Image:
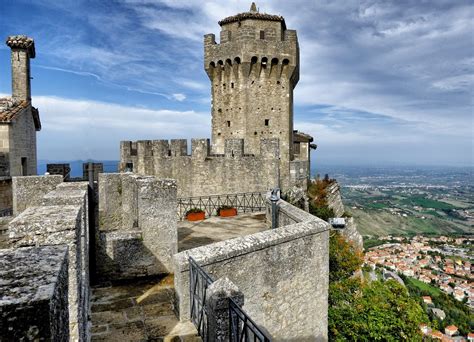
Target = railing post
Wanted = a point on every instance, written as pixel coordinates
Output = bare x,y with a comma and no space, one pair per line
218,294
274,199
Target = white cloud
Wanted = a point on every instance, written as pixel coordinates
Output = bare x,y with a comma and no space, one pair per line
90,129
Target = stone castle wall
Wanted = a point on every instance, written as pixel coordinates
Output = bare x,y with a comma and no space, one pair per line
203,173
22,144
282,273
34,293
59,218
253,71
137,233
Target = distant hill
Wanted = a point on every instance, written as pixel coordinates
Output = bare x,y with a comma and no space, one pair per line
76,165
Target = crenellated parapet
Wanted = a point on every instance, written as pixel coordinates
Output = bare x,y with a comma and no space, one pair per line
202,172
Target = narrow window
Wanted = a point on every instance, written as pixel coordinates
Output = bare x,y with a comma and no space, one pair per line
228,123
262,34
129,167
232,85
24,166
267,122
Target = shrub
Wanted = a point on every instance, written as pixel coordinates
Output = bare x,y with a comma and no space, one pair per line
194,210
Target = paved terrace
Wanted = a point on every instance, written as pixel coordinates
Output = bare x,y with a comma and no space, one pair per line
215,228
142,310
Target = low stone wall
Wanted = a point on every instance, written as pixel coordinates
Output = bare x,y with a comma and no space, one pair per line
283,274
137,233
29,190
34,294
60,218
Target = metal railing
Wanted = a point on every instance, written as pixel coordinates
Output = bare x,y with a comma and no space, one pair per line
6,212
242,328
199,281
246,202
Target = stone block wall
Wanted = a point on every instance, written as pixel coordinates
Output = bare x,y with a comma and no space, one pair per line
22,135
59,169
34,294
203,173
6,201
60,218
282,273
28,191
137,233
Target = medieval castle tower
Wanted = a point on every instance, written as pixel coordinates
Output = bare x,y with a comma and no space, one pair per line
253,71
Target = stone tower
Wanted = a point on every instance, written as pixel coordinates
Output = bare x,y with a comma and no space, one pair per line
22,49
253,71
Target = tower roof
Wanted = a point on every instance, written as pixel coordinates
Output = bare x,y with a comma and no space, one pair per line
22,42
252,14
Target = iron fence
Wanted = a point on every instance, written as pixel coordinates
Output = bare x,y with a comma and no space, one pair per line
246,202
199,281
242,327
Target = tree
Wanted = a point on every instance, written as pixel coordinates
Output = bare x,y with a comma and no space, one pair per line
344,259
365,311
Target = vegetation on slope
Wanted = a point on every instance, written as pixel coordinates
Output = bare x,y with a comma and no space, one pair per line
457,313
318,205
366,311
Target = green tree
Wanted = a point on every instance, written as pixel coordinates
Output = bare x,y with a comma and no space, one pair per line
362,311
344,259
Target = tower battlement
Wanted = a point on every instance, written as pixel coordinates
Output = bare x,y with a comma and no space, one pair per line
253,70
202,172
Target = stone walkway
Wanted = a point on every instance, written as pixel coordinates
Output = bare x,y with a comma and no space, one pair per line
215,228
138,311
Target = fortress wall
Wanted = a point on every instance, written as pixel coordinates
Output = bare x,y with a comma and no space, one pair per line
34,290
283,274
137,233
203,173
60,218
28,191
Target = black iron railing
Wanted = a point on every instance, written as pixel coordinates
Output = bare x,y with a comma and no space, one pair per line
242,328
6,212
244,203
199,281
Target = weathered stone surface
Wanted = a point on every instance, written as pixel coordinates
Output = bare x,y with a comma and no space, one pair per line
28,191
334,200
34,294
350,231
138,226
218,295
61,218
351,234
275,270
205,173
157,220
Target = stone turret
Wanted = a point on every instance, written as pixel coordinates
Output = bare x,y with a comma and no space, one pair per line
22,49
253,71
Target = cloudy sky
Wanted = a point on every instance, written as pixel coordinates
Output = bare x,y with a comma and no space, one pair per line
382,82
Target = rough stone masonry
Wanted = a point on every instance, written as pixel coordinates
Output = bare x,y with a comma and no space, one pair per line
253,71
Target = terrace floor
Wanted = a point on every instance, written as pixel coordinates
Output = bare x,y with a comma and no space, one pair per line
138,311
215,228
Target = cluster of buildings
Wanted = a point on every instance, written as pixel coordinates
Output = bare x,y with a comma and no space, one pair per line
451,333
426,262
422,258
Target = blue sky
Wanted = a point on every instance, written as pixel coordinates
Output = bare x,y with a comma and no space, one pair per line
382,82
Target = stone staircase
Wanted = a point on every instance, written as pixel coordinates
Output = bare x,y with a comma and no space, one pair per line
138,311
